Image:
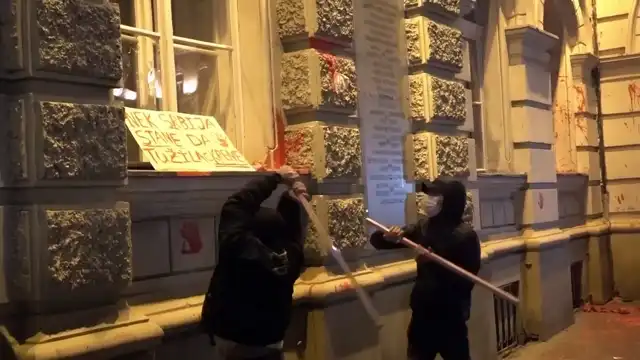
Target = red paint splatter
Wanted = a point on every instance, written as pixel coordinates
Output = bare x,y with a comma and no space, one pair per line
580,98
190,232
294,142
334,74
344,286
634,95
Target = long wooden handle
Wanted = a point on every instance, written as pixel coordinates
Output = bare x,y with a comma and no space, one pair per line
337,255
451,266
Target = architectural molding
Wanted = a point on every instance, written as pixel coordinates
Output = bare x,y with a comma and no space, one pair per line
528,44
582,65
619,67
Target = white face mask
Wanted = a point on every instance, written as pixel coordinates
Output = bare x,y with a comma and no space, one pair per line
433,206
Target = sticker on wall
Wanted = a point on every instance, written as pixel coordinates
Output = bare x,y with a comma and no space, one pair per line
192,243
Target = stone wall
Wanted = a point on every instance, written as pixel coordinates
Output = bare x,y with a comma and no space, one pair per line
318,90
438,99
66,238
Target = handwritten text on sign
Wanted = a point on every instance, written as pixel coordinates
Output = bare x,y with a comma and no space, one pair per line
180,142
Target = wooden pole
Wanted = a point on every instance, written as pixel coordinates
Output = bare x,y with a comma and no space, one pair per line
337,255
451,266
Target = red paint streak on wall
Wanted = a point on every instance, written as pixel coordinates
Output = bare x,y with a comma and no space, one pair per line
344,286
634,95
190,232
581,98
540,201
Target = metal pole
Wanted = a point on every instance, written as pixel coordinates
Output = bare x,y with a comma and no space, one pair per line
337,254
451,266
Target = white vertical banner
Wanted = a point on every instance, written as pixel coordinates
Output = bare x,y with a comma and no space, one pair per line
381,70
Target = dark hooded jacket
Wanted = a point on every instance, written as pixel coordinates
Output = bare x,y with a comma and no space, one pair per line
436,287
250,294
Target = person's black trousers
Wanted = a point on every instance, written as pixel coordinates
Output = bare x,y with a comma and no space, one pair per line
436,332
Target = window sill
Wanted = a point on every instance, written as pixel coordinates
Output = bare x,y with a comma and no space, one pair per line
154,194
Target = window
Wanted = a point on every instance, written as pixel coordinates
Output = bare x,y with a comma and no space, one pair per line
178,55
476,18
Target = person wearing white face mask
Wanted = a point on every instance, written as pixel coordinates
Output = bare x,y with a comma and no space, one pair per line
441,299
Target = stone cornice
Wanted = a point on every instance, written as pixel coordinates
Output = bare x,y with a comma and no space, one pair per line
527,44
619,67
154,194
582,65
499,186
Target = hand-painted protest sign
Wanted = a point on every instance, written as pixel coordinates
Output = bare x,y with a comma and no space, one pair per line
181,142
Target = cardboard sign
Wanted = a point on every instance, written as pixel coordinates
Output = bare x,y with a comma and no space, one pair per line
181,142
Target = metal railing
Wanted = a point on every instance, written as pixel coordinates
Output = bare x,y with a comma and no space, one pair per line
509,331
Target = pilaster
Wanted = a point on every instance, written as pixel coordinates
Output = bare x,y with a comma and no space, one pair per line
63,158
532,123
545,310
586,129
319,96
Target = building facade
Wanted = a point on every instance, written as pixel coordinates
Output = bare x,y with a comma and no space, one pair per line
531,103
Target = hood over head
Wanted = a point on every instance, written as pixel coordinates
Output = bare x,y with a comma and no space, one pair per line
454,199
269,226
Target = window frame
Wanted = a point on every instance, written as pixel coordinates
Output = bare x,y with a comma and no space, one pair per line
153,25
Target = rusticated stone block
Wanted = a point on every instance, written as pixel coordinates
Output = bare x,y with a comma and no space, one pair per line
83,141
421,155
429,42
312,80
14,162
88,248
79,38
450,7
467,215
57,258
327,151
10,41
433,99
343,218
14,224
315,18
452,155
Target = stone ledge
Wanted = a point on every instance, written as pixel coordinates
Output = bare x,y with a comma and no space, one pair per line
444,8
125,335
529,44
153,194
158,320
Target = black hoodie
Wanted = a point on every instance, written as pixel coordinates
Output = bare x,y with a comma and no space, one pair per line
447,235
250,294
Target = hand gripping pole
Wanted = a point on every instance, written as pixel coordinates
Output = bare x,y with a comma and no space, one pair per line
337,255
451,266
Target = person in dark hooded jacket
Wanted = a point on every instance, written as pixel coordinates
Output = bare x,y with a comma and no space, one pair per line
247,307
441,299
